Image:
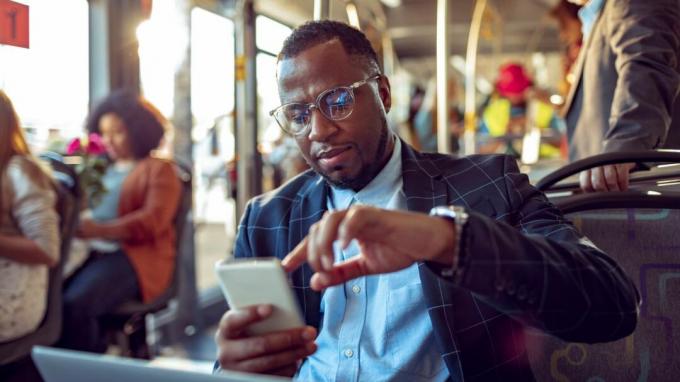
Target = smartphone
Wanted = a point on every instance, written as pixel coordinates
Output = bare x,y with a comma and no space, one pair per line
248,282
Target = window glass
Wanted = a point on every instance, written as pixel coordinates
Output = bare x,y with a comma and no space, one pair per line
49,82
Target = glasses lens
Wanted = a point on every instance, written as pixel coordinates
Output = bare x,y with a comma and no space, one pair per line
294,117
337,103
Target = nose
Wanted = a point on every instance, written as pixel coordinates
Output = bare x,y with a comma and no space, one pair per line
321,128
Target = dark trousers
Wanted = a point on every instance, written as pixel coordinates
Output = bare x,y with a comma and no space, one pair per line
104,282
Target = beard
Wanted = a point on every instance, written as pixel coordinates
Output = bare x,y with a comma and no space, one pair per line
368,171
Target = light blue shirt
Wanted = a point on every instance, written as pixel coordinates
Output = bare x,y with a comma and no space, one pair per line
107,208
588,15
375,328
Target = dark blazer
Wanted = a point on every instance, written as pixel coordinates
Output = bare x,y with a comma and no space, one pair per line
626,94
525,264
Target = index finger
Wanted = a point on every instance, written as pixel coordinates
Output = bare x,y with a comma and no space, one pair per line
296,257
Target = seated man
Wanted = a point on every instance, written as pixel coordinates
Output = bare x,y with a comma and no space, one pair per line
407,296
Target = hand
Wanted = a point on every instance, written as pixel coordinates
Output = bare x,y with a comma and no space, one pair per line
388,241
87,229
606,178
275,353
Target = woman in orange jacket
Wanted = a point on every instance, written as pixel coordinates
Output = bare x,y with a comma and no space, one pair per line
131,231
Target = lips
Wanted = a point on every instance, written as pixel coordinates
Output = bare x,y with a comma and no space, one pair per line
333,157
330,153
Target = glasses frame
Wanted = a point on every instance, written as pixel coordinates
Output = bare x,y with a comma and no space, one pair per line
315,105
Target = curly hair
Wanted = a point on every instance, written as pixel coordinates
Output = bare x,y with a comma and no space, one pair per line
313,33
144,123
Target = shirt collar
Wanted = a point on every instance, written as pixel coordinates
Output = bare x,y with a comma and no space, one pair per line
379,191
588,15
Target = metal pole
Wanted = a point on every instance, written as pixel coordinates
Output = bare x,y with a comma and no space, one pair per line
443,134
470,78
249,164
321,9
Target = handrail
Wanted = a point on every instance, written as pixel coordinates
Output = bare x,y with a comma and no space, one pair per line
658,156
623,199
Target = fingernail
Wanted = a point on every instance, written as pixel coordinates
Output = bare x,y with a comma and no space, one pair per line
310,347
264,310
308,334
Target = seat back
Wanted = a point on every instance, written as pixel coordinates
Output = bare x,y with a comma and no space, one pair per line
646,244
50,329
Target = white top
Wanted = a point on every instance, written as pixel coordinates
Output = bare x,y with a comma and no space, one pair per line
27,208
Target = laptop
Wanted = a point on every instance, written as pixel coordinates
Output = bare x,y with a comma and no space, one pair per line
59,365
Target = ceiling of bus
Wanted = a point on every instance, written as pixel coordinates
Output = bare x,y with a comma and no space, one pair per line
510,26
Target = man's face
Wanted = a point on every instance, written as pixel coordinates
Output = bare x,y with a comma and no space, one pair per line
350,152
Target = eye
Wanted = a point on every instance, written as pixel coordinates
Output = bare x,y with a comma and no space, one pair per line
297,114
338,98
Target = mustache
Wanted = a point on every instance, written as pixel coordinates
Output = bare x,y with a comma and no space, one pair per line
325,150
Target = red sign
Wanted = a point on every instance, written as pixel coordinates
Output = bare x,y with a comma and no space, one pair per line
13,23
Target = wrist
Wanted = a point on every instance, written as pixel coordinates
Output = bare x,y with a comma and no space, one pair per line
456,217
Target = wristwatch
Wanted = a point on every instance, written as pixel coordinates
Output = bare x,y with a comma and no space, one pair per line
458,216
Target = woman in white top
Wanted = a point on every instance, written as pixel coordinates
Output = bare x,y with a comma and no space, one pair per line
29,230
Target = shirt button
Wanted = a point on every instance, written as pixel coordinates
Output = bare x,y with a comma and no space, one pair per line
349,353
356,289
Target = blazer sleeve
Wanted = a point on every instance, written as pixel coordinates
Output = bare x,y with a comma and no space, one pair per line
543,272
159,207
644,37
242,247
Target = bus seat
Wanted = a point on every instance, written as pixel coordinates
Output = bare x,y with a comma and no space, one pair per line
644,238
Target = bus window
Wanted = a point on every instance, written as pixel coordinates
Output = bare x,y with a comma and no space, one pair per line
48,82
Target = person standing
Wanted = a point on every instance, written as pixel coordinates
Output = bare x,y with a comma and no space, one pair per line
626,94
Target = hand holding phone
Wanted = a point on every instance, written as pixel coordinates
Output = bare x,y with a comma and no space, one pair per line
247,282
249,337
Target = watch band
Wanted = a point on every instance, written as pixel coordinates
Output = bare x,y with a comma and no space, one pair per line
458,216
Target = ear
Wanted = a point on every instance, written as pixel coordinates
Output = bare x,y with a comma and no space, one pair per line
385,92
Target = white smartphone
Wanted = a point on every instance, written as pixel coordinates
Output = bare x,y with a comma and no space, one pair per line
248,282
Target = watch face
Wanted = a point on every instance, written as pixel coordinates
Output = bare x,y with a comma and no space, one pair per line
444,211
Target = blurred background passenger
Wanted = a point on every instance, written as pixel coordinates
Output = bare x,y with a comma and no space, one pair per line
424,121
512,109
29,230
569,28
133,255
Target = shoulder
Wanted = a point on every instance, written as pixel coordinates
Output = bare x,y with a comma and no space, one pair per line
496,164
25,169
289,193
157,166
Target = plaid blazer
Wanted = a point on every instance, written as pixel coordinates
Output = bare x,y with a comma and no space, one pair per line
525,265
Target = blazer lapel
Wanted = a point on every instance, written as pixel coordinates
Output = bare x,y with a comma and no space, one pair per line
577,71
423,185
306,211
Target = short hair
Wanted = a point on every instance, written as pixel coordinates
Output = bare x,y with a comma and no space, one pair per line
145,124
313,33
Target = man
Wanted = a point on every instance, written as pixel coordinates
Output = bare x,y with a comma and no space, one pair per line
407,296
627,84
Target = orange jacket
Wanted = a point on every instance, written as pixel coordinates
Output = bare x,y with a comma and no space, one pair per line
148,202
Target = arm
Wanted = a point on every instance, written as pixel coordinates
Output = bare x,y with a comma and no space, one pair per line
574,290
645,39
23,250
156,214
33,210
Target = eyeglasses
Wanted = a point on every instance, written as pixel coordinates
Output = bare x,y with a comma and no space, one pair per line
335,104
